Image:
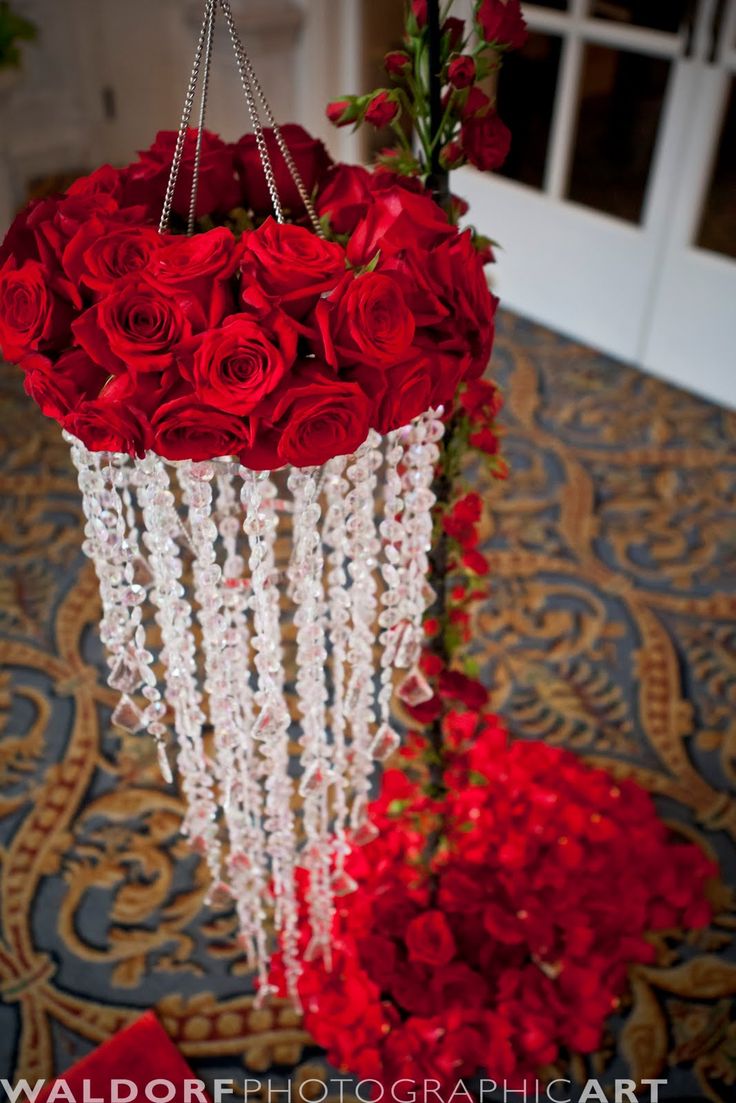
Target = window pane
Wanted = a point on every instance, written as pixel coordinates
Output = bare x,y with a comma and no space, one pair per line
526,96
718,225
620,103
662,15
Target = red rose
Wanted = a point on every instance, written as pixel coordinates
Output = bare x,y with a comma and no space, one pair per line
103,251
319,416
407,393
201,265
381,109
137,327
378,957
20,241
454,271
399,220
309,155
344,196
291,265
103,181
486,141
396,63
481,400
110,427
56,221
185,261
59,388
501,22
366,321
459,522
429,939
461,71
235,366
410,988
458,985
32,317
145,181
186,429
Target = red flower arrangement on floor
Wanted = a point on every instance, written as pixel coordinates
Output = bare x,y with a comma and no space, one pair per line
512,938
252,338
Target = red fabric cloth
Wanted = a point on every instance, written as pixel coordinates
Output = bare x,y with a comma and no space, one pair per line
140,1054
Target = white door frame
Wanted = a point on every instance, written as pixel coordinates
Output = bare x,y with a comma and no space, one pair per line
577,269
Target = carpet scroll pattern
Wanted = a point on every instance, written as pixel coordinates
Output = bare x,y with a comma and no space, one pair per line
611,629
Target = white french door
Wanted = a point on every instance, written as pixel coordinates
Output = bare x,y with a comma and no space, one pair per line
617,211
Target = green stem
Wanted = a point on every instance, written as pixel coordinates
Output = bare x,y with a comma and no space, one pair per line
403,140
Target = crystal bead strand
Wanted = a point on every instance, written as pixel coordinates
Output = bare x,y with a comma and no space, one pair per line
306,577
238,756
334,537
392,618
271,727
362,551
103,545
421,455
195,480
174,617
112,550
138,579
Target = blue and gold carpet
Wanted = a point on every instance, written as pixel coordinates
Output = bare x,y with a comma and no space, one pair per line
611,629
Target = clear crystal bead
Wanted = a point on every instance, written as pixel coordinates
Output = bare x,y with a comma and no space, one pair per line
415,689
126,714
386,741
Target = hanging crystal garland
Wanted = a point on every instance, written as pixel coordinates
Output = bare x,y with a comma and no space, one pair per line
282,604
241,560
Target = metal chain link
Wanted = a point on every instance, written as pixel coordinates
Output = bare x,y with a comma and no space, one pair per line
253,112
211,16
251,87
184,124
255,84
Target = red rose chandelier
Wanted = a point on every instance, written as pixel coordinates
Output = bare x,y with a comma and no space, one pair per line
254,410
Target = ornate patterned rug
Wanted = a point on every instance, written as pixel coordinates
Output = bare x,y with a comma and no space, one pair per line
611,629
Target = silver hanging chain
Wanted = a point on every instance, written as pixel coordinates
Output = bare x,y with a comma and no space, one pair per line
244,63
184,124
251,87
211,14
240,57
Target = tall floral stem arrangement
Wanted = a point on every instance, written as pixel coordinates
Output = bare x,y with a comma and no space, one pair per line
485,930
442,116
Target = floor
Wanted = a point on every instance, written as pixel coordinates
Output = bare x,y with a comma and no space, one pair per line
611,629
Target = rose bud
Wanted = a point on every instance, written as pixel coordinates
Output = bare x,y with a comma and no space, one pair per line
382,109
455,31
341,112
461,71
451,155
396,63
419,11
